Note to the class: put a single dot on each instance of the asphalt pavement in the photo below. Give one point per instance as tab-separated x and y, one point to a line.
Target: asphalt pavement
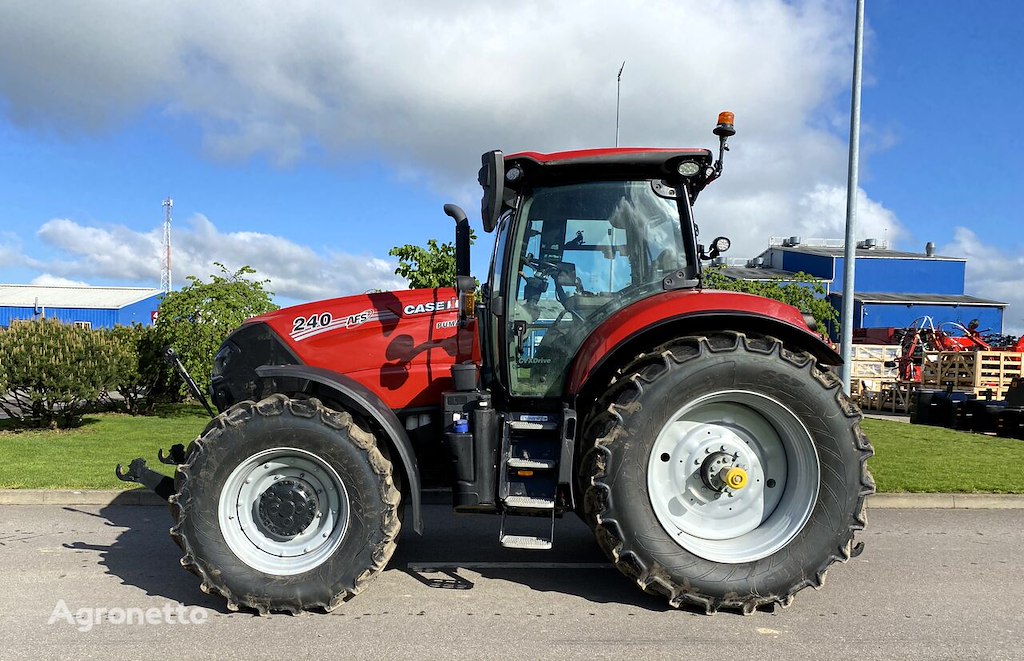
932	584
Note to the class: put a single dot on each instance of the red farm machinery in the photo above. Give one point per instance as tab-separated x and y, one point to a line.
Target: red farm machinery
701	434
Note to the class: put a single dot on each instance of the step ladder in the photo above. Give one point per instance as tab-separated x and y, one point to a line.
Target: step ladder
528	478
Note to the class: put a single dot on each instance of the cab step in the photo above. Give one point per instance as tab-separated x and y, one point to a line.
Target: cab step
529	502
525	542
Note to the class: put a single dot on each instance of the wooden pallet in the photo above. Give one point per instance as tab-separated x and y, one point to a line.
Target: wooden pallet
868	361
972	371
898	396
871	369
877	395
879	353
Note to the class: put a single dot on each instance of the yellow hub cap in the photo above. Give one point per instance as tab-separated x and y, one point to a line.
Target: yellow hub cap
736	478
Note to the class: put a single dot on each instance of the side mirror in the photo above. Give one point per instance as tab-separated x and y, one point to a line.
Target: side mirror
492	179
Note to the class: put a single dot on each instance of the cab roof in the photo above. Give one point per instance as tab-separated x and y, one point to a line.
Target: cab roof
608	164
627	156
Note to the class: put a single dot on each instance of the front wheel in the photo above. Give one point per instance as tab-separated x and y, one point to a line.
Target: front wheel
285	505
726	472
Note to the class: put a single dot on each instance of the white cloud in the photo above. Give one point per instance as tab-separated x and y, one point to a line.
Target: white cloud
48	280
995	272
427	87
125	256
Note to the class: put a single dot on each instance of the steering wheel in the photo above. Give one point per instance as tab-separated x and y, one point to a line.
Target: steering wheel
552	270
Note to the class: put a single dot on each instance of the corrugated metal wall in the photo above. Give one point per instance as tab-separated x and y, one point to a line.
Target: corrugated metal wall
819	266
98	318
905	276
136	313
139	313
892	315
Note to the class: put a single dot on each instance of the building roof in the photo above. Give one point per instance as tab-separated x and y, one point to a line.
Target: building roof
98	298
761	273
865	253
922	299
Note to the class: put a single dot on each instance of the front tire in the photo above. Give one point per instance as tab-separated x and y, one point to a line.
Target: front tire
285	505
681	421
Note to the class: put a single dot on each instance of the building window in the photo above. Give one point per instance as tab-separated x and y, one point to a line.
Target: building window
87	325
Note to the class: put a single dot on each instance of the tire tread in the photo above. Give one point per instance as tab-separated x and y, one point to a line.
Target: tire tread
331	596
623	396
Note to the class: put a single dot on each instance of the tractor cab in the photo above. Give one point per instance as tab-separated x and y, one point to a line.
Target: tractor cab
579	236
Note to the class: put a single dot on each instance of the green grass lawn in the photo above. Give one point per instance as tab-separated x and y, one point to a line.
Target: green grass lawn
912	458
84	458
918	458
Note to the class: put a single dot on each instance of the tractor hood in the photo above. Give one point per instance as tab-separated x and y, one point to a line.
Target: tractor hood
400	345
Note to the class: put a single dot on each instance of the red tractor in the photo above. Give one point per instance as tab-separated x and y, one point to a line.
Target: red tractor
701	434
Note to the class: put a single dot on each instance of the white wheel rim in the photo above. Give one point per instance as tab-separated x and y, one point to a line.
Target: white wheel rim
246	530
758	434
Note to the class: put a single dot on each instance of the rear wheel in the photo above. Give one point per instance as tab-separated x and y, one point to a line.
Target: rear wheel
726	472
285	505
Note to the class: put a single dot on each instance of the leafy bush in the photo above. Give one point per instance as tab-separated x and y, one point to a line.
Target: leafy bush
197	319
54	373
802	291
142	377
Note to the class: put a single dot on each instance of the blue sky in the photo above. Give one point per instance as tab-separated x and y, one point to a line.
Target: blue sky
307	140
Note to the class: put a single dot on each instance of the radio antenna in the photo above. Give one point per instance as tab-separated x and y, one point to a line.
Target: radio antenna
618	95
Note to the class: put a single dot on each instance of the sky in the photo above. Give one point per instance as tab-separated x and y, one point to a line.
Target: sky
306	139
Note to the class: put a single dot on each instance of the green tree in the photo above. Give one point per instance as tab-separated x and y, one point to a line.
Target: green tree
802	291
430	267
196	319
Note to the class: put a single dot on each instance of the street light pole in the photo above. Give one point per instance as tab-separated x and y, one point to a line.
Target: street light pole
850	247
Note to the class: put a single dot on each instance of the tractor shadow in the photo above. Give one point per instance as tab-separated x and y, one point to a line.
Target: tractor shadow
455	551
144	556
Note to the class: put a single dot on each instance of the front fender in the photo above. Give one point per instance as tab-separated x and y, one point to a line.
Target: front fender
362	400
648	322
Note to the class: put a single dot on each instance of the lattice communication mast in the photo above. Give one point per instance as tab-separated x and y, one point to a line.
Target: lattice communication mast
165	256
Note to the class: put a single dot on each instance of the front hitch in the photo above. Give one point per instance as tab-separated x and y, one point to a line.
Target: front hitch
140	473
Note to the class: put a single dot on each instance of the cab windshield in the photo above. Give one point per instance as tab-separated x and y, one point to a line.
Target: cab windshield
583	251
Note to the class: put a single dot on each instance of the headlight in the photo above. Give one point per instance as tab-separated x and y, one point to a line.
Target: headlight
688	168
223	358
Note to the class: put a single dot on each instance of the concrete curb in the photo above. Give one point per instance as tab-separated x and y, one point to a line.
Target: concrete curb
65	497
945	501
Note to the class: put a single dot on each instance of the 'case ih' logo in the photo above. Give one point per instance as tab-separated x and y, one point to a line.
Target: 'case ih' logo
440	306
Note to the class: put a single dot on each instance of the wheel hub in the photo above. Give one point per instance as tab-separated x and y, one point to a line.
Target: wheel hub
284	511
720	473
288	507
733	476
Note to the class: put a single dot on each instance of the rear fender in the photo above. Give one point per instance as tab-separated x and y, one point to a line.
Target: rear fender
650	322
360	399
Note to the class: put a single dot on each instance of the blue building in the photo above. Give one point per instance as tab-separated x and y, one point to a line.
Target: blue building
89	307
892	288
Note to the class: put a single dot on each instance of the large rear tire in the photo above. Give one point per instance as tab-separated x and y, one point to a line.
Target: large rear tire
727	472
285	505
